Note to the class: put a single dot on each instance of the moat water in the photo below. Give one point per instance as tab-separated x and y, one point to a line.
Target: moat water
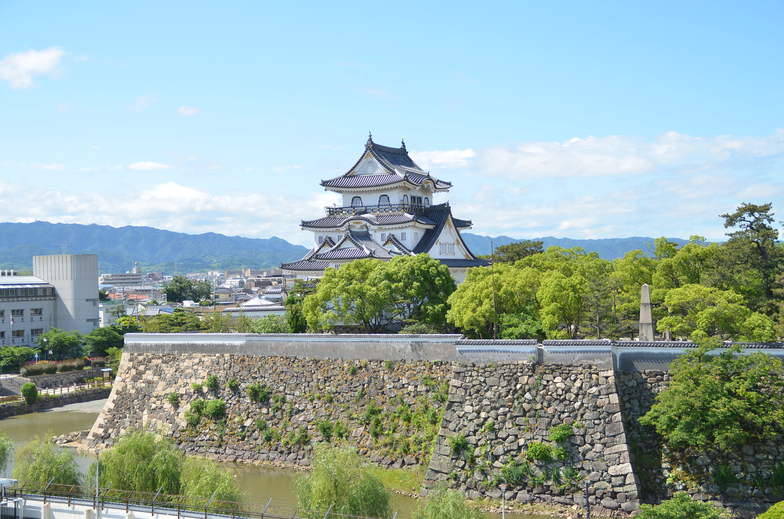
258	483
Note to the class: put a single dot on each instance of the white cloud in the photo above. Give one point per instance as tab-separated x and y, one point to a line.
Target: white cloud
443	159
19	69
621	155
147	165
188	111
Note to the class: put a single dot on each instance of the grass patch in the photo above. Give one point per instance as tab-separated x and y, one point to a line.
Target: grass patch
400	480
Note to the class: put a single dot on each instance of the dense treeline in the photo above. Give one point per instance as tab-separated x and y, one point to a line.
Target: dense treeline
729	290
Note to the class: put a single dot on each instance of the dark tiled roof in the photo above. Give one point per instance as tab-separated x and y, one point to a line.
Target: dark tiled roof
305	264
362	181
347	253
393	156
464	262
393	240
461	224
375	219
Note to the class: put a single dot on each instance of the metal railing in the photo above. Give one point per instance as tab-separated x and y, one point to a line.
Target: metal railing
376	209
165	504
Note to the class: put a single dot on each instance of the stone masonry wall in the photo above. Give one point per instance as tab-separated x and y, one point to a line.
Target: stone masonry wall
390	410
505	413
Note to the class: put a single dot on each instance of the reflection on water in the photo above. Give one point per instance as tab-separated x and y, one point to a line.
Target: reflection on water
258	483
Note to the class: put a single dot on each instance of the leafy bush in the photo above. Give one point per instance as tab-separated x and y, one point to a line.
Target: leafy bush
270	324
681	506
419	329
300	437
142	462
458	444
40	462
211	383
341	480
258	393
197	406
192	419
326	430
774	512
446	504
538	451
233	385
173	399
561	433
202	480
352	370
6	448
516	473
215	409
12	357
197	388
717	402
39	368
29	393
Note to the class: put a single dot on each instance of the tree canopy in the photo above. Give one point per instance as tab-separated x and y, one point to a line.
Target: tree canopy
180	289
62	344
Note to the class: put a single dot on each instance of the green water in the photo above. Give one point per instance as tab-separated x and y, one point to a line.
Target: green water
258	483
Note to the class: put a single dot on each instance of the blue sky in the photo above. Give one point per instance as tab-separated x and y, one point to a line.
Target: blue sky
585	119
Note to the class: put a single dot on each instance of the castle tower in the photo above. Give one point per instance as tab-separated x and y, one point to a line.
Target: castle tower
387	211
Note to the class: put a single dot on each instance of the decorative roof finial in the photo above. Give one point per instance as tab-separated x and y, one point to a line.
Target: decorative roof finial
370	139
403	144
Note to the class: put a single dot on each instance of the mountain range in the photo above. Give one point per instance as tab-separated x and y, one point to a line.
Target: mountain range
174	252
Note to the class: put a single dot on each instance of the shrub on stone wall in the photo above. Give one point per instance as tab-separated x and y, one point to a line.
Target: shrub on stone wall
29	393
173	399
681	506
211	383
258	393
215	409
774	512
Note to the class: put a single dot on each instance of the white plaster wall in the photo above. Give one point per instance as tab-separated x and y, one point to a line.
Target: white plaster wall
75	279
449	235
27	323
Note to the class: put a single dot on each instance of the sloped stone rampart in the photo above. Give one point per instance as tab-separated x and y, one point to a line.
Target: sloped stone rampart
499	411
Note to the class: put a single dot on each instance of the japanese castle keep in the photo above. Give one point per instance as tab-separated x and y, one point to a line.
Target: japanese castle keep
387	211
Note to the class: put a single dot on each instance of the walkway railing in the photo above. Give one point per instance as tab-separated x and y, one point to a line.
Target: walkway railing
165	504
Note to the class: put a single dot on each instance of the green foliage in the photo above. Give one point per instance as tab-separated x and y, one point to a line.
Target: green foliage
258	393
459	447
270	324
211	383
178	321
340	480
40	462
717	402
561	433
774	512
295	316
233	385
371	294
420	329
173	399
6	448
114	355
446	504
681	506
203	479
516	473
127	324
326	429
29	393
181	288
538	451
352	370
12	357
215	409
98	341
198	406
516	251
197	387
63	345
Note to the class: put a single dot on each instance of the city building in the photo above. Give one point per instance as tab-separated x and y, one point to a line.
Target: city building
61	293
387	211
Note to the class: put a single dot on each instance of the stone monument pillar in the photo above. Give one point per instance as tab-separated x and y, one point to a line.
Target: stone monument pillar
646	319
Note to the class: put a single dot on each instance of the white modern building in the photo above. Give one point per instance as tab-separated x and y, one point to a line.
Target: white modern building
61	293
387	211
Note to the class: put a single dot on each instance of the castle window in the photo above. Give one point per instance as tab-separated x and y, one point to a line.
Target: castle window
383	200
427	202
356	201
383	236
403	236
405	199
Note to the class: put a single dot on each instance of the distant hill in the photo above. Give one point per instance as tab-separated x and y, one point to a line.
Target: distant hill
607	248
118	247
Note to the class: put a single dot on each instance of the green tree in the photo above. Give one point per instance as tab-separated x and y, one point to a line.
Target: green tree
100	339
446	504
340	481
29	393
681	506
269	324
203	480
217	322
40	463
179	320
563	303
698	311
717	403
516	251
774	512
181	288
127	324
344	297
489	294
141	462
419	286
664	248
63	345
6	449
753	242
12	357
295	316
